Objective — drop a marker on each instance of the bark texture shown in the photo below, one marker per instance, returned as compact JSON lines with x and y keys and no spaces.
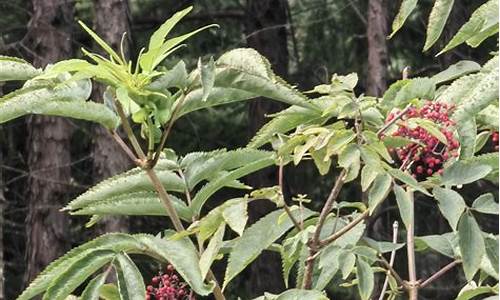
{"x":110,"y":22}
{"x":376,"y":31}
{"x":266,"y":32}
{"x":48,"y":144}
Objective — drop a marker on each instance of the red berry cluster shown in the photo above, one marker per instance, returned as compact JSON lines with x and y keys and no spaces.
{"x":427,"y":155}
{"x":168,"y":286}
{"x":494,"y":138}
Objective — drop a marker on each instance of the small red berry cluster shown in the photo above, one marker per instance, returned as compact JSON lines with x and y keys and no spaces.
{"x":427,"y":154}
{"x":494,"y":138}
{"x":168,"y":286}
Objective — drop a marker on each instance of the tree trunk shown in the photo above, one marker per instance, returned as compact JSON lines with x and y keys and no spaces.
{"x":48,"y":144}
{"x":111,"y":21}
{"x":376,"y":32}
{"x":266,"y":32}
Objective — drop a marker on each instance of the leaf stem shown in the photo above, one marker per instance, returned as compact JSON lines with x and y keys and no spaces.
{"x":315,"y":241}
{"x":124,"y":146}
{"x":285,"y":206}
{"x":440,"y":273}
{"x":391,"y":122}
{"x":343,"y":230}
{"x":166,"y":132}
{"x":391,"y":260}
{"x":391,"y":270}
{"x":128,"y":130}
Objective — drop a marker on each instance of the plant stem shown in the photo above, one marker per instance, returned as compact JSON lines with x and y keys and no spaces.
{"x":440,"y":273}
{"x":314,"y":242}
{"x":287,"y":209}
{"x":128,"y":131}
{"x":395,"y":274}
{"x":391,"y":122}
{"x":391,"y":260}
{"x":410,"y":247}
{"x":166,"y":132}
{"x":343,"y":230}
{"x":162,"y":193}
{"x":124,"y":146}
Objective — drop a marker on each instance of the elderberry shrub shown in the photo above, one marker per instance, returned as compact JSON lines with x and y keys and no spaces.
{"x":168,"y":286}
{"x":426,"y":155}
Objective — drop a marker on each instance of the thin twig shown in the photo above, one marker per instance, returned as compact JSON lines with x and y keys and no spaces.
{"x":343,"y":230}
{"x":129,"y":131}
{"x":440,"y":273}
{"x":314,"y":242}
{"x":285,"y":206}
{"x":395,"y":274}
{"x":391,"y":122}
{"x":391,"y":260}
{"x":124,"y":146}
{"x":410,"y":247}
{"x":166,"y":132}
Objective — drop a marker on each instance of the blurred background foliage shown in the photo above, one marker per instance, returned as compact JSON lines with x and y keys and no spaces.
{"x":321,"y":37}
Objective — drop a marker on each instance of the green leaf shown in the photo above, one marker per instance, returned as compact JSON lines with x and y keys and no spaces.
{"x":439,"y":243}
{"x":466,"y":131}
{"x":296,"y":294}
{"x":480,"y":290}
{"x":249,"y":246}
{"x":365,"y":279}
{"x":430,"y":127}
{"x":471,"y":245}
{"x":368,"y":174}
{"x":209,"y":255}
{"x":491,"y":244}
{"x":134,"y":180}
{"x":158,"y":37}
{"x":115,"y":242}
{"x":383,"y":247}
{"x":102,"y":43}
{"x":207,"y":77}
{"x":347,"y":262}
{"x":213,"y":186}
{"x":437,"y":19}
{"x":243,"y":74}
{"x":92,"y":290}
{"x":484,"y":15}
{"x":451,"y":204}
{"x":130,"y":282}
{"x":65,"y":99}
{"x":75,"y":274}
{"x":329,"y":266}
{"x":13,"y":68}
{"x":463,"y":172}
{"x":175,"y":77}
{"x":488,"y":159}
{"x":109,"y":292}
{"x":182,"y":254}
{"x":407,"y":6}
{"x":408,"y":179}
{"x":134,"y":204}
{"x":379,"y":190}
{"x":404,"y":204}
{"x":486,"y":204}
{"x":236,"y":215}
{"x":456,"y":70}
{"x":402,"y":92}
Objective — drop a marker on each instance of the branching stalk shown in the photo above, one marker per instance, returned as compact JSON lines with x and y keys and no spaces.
{"x":440,"y":273}
{"x":314,"y":242}
{"x":343,"y":230}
